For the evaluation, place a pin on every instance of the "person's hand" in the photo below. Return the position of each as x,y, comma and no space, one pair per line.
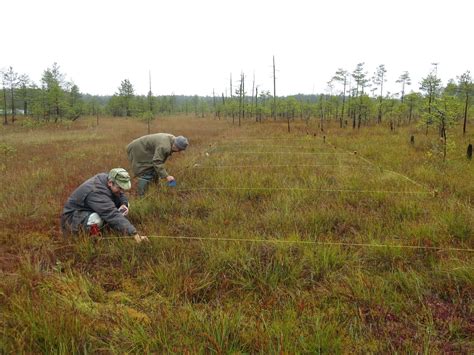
169,178
140,238
124,210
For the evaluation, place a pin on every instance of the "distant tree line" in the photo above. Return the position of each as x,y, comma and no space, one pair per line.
352,99
52,100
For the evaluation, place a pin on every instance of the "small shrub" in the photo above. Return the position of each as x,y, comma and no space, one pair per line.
7,150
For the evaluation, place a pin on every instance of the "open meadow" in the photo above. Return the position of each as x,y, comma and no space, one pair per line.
336,241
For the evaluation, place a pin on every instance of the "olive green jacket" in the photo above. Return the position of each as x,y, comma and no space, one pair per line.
150,152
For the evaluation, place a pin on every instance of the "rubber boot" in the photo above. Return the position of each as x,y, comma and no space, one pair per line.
142,186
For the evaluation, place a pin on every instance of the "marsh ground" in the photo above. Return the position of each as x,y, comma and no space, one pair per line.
342,241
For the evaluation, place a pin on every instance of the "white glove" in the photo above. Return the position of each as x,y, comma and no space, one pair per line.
124,210
140,238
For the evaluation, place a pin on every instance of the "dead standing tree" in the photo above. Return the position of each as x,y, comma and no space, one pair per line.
258,117
274,91
150,104
231,100
241,93
4,89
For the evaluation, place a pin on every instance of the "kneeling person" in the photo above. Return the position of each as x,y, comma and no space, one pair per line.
100,200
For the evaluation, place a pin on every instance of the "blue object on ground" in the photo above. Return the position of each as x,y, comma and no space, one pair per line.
172,183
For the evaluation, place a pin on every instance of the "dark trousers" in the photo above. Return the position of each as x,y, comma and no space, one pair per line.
144,180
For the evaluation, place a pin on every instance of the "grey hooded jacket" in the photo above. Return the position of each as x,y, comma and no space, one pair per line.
95,196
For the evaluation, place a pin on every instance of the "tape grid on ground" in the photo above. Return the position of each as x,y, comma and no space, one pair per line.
306,242
367,245
303,189
391,171
286,153
281,166
215,147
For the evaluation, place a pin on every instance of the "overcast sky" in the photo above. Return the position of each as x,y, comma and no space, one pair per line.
192,46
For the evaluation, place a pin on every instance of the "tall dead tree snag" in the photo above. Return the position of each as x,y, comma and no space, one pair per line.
5,121
231,99
214,106
274,91
241,93
150,103
258,118
251,94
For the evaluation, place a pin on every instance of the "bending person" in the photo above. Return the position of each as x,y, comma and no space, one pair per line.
100,201
148,154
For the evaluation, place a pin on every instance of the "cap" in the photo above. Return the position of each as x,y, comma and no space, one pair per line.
120,177
181,142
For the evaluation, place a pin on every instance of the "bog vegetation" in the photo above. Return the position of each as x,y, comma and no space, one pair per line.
336,224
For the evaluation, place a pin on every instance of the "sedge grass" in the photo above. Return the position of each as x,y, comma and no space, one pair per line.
80,295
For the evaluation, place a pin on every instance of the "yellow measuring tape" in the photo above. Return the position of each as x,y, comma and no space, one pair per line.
307,242
304,189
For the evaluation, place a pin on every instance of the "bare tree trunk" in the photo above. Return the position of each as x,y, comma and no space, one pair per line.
253,88
5,122
321,113
343,102
465,114
354,99
150,103
243,96
274,91
359,116
150,95
13,103
214,103
379,118
445,139
403,91
240,99
256,105
288,117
